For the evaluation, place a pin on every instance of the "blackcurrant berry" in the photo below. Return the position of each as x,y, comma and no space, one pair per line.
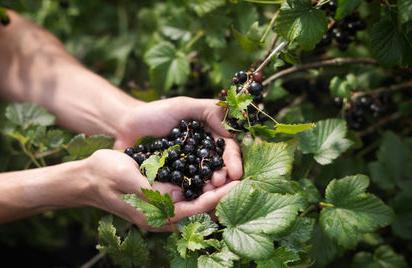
191,141
197,182
255,88
203,152
183,125
196,125
140,148
188,148
190,194
164,174
235,80
173,155
217,162
191,170
139,158
219,151
165,143
179,165
175,133
220,142
258,76
241,76
129,151
5,20
197,136
176,177
206,172
258,98
191,159
207,144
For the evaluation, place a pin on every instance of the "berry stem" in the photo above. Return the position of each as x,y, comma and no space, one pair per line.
277,49
261,111
270,25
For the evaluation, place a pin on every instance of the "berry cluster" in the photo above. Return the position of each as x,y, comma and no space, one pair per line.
364,108
250,83
343,31
192,164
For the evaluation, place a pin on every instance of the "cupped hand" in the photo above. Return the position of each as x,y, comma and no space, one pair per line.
112,174
157,118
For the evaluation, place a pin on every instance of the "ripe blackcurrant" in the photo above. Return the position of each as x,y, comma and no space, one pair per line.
164,174
220,142
191,170
173,155
139,158
190,194
203,152
241,76
129,151
217,162
175,133
179,165
176,177
206,172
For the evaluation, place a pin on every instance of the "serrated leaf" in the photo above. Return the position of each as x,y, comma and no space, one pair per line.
293,129
157,208
299,234
323,248
267,163
251,216
81,146
263,131
279,259
202,7
28,114
387,43
383,257
402,225
168,66
55,138
207,225
221,259
352,211
404,10
237,103
193,239
151,166
130,252
326,141
343,87
346,7
299,21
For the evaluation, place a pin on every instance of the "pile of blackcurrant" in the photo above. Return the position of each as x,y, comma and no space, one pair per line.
249,83
189,166
364,109
343,31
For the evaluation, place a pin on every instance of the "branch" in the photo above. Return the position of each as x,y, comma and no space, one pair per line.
313,65
277,49
377,91
93,260
385,120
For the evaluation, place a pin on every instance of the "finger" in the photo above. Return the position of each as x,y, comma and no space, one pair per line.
233,159
167,188
208,187
204,203
219,177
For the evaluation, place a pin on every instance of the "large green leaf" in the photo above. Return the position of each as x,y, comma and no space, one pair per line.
207,225
25,115
221,259
81,146
299,21
168,66
383,257
402,225
323,249
351,212
298,235
202,7
157,208
326,141
251,215
193,238
268,164
346,7
404,10
279,259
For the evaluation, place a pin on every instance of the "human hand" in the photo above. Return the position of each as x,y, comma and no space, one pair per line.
111,174
157,118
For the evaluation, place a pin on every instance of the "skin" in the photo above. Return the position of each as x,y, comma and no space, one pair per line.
35,67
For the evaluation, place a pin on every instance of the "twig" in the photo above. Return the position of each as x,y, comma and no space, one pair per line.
313,65
270,25
380,123
30,155
377,91
263,112
47,153
96,258
277,49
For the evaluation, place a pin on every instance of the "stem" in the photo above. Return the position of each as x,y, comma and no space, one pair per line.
307,210
261,111
196,38
47,153
393,88
96,258
277,49
30,155
313,65
326,205
272,21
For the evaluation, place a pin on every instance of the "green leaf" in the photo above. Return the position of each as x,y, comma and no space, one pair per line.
298,235
351,211
323,249
81,146
402,225
343,88
251,216
279,259
207,225
265,163
157,208
404,10
383,257
129,253
392,167
299,21
151,166
221,259
202,7
237,103
326,141
293,129
25,115
388,44
346,7
168,66
193,239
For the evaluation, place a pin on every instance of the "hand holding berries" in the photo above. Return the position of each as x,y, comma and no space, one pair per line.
182,167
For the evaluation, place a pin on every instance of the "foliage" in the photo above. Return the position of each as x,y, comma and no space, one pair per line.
305,199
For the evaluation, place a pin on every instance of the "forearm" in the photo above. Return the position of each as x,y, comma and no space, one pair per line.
35,67
25,193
